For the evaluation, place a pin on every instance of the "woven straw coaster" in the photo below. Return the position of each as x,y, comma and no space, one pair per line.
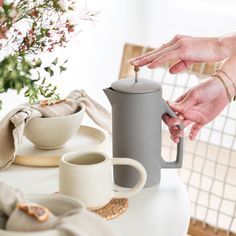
113,209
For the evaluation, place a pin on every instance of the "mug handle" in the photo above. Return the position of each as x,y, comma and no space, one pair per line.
179,158
117,193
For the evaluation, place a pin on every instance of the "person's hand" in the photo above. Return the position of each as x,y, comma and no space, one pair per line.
200,105
186,50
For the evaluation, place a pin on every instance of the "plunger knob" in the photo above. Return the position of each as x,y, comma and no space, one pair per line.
136,69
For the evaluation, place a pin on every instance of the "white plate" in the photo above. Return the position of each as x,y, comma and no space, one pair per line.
87,139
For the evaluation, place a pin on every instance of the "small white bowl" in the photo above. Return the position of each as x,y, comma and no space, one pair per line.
56,203
53,132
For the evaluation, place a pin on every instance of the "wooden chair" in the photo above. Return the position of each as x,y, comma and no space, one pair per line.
208,159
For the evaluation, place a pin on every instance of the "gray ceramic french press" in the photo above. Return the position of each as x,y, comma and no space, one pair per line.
137,109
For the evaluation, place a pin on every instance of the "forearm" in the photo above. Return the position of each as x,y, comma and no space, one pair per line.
228,45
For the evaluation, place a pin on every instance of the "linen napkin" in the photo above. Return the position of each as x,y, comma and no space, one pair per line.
81,222
20,221
13,124
77,222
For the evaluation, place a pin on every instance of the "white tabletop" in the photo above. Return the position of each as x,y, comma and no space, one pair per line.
158,211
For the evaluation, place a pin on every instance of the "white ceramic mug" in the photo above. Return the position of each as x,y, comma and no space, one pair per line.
88,177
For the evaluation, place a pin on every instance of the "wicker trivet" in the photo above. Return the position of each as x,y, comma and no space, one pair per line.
113,209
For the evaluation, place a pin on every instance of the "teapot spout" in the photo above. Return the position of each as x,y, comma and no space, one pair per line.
111,95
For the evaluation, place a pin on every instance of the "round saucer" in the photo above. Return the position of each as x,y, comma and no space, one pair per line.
86,139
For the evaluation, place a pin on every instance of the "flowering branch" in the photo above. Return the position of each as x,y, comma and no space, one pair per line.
27,29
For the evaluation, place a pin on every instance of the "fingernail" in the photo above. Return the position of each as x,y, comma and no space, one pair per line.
131,60
176,140
136,63
172,71
191,137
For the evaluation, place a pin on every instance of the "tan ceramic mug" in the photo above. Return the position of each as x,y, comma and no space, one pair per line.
87,176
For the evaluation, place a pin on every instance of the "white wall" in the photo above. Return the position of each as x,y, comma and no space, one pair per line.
95,59
166,18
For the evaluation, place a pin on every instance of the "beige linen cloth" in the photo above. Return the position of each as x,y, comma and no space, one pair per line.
13,124
77,222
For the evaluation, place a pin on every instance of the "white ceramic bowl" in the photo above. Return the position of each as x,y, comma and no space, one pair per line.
58,204
53,132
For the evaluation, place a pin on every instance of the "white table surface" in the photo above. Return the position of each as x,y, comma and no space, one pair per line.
158,211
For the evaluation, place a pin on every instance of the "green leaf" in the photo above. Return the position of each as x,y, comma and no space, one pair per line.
55,62
49,70
44,80
62,68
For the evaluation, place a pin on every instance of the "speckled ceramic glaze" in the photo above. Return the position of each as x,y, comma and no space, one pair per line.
88,177
53,132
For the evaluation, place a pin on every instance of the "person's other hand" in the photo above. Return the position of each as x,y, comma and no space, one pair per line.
200,105
186,50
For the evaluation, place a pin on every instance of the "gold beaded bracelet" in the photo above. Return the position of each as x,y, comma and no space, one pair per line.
225,86
232,81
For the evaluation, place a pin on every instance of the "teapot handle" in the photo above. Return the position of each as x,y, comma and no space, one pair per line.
179,158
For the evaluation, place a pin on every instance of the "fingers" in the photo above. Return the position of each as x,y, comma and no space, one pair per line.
171,45
177,106
138,61
184,102
172,123
180,66
194,131
160,54
135,59
186,122
150,58
176,134
179,99
166,45
164,58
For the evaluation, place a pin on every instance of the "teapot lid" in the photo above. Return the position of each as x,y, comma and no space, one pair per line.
130,86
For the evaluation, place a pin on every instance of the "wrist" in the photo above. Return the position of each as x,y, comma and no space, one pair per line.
228,82
227,45
224,84
229,67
